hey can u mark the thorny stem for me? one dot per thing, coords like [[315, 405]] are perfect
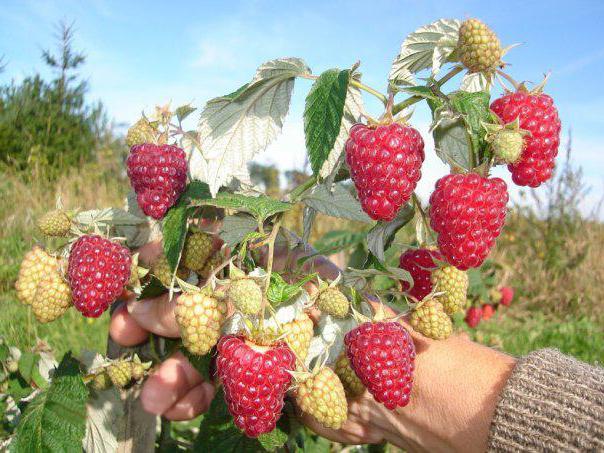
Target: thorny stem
[[269, 262], [437, 84], [300, 189]]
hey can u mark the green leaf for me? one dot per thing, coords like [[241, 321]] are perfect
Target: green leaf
[[201, 363], [235, 228], [380, 237], [27, 363], [338, 240], [183, 111], [260, 207], [323, 114], [475, 110], [218, 433], [154, 288], [422, 91], [55, 420], [175, 221], [280, 291], [4, 352], [275, 439], [338, 202]]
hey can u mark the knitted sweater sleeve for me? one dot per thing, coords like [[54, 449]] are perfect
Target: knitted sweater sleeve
[[551, 402]]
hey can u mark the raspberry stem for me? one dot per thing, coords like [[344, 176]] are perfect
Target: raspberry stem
[[361, 86], [269, 263]]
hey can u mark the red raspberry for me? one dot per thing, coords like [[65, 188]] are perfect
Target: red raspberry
[[420, 264], [473, 316], [507, 295], [158, 174], [255, 380], [468, 212], [537, 115], [382, 356], [98, 272], [385, 165], [487, 311]]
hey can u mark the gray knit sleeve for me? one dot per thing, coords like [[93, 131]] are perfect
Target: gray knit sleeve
[[551, 402]]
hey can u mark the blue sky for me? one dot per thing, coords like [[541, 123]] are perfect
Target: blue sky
[[145, 53]]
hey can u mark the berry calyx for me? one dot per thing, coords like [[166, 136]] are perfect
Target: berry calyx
[[478, 47], [536, 114], [98, 271], [468, 212], [55, 223], [322, 396], [199, 317], [158, 174], [351, 382], [385, 166], [420, 264], [382, 355], [333, 302], [429, 319], [453, 283], [255, 379], [246, 295]]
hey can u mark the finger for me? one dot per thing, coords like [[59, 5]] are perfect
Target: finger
[[155, 315], [150, 252], [124, 329], [349, 433], [169, 384], [195, 402]]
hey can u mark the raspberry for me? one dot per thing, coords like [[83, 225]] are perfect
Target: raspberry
[[478, 46], [141, 132], [255, 379], [198, 248], [211, 263], [487, 311], [473, 316], [199, 317], [120, 373], [101, 381], [430, 319], [507, 145], [35, 266], [420, 264], [538, 116], [139, 368], [382, 355], [454, 284], [468, 212], [385, 165], [98, 272], [322, 396], [507, 295], [246, 295], [55, 223], [332, 302], [158, 174], [161, 269], [52, 299], [351, 382], [298, 335]]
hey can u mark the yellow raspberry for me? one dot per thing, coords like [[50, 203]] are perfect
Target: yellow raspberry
[[478, 46], [199, 317], [246, 296], [322, 396], [55, 223], [351, 382], [454, 284], [298, 335], [198, 248], [430, 320], [161, 269], [332, 302], [120, 373], [101, 381], [141, 132], [36, 265], [210, 264], [52, 299]]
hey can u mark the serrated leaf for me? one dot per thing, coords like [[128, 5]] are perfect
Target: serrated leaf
[[234, 128], [422, 91], [275, 439], [280, 291], [27, 364], [338, 202], [475, 110], [338, 240], [380, 237], [473, 82], [261, 207], [353, 109], [108, 216], [428, 46], [201, 363], [235, 228], [323, 115], [217, 431], [153, 288], [183, 111], [55, 420], [451, 141]]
